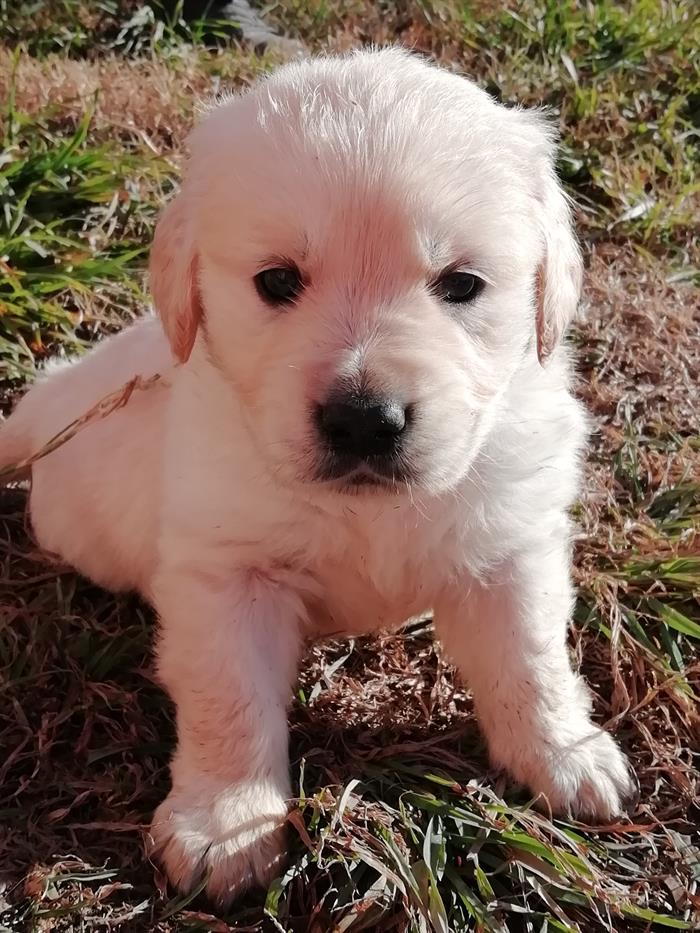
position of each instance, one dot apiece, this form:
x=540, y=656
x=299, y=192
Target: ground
x=400, y=825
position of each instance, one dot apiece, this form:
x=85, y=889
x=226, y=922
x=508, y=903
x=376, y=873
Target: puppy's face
x=369, y=248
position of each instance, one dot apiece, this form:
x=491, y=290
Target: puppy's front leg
x=228, y=655
x=509, y=639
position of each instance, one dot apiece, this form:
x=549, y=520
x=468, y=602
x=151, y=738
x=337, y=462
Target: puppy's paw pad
x=236, y=842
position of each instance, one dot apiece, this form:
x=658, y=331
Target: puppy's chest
x=365, y=587
x=352, y=603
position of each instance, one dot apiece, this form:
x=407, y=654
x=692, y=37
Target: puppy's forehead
x=368, y=109
x=364, y=148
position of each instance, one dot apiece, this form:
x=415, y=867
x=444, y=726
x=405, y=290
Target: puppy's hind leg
x=509, y=640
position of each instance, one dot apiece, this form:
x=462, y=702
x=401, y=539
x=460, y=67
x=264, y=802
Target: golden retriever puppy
x=364, y=413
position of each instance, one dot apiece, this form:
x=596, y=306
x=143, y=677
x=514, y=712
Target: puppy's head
x=368, y=249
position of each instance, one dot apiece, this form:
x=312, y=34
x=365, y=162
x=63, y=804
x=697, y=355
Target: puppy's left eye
x=458, y=287
x=279, y=286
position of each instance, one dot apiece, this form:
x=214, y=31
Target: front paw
x=234, y=836
x=585, y=776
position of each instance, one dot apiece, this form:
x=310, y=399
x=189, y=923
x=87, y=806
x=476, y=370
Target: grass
x=72, y=235
x=400, y=825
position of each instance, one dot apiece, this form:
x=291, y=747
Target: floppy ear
x=558, y=283
x=174, y=282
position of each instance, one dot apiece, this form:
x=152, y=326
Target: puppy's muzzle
x=362, y=433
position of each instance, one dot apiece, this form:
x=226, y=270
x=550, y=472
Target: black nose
x=362, y=427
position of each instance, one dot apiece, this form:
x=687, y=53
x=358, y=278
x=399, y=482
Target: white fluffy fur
x=373, y=172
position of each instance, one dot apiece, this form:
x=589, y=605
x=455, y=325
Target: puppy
x=363, y=412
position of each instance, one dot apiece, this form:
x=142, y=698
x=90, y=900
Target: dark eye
x=458, y=287
x=279, y=286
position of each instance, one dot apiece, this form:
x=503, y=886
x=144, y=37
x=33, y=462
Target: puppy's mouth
x=354, y=478
x=356, y=483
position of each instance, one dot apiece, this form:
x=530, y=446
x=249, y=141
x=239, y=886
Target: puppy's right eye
x=279, y=286
x=458, y=287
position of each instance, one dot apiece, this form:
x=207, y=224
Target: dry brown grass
x=147, y=100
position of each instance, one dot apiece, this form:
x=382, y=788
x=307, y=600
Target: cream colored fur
x=372, y=172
